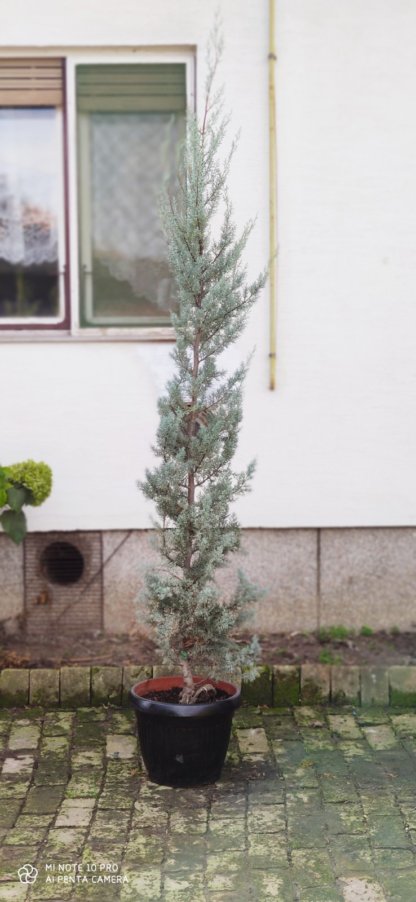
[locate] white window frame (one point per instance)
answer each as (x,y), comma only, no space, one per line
(141,56)
(72,59)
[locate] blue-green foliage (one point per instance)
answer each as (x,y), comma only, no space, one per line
(194,483)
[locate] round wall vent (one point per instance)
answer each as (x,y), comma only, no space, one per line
(62,563)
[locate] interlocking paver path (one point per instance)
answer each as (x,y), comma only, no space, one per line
(314,805)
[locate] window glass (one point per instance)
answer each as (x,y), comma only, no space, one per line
(131,125)
(29,203)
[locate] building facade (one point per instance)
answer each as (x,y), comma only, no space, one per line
(92,108)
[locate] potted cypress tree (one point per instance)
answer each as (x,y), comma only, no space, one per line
(185,721)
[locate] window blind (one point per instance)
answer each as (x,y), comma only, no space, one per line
(132,88)
(31,82)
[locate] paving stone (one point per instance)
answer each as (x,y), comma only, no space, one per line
(308,716)
(43,800)
(380,736)
(315,683)
(21,765)
(328,893)
(112,830)
(272,885)
(183,886)
(351,854)
(44,687)
(57,723)
(9,810)
(374,686)
(266,819)
(361,889)
(185,852)
(75,686)
(266,850)
(378,803)
(372,715)
(75,812)
(266,792)
(311,868)
(14,687)
(345,685)
(335,789)
(13,892)
(145,848)
(118,795)
(409,814)
(11,860)
(145,884)
(190,822)
(400,885)
(344,726)
(307,831)
(85,785)
(253,741)
(149,817)
(351,750)
(387,860)
(25,836)
(258,691)
(229,805)
(286,684)
(50,773)
(106,685)
(63,841)
(387,832)
(88,734)
(344,817)
(97,714)
(404,724)
(122,722)
(121,746)
(24,735)
(56,747)
(225,834)
(87,758)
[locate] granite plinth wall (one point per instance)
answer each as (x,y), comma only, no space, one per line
(309,577)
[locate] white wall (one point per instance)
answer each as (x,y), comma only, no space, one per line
(336,443)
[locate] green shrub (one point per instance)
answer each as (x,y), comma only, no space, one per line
(366,631)
(328,633)
(24,483)
(327,657)
(36,477)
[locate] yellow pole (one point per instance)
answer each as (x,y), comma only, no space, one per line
(272,197)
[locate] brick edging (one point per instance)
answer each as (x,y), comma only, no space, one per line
(278,685)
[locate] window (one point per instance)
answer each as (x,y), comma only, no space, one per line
(80,186)
(31,192)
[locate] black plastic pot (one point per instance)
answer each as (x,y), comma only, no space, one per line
(183,745)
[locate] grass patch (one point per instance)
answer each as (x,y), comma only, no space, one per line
(366,631)
(333,633)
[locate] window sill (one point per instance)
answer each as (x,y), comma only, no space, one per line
(147,333)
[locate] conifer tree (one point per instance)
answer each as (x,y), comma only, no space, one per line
(194,484)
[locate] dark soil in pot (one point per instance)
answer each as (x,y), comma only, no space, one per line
(183,745)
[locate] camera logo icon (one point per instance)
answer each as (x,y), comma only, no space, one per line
(27,873)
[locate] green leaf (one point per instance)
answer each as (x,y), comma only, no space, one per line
(3,496)
(17,496)
(14,524)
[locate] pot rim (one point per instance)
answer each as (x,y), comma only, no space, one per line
(168,709)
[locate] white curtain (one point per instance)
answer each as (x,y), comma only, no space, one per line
(133,160)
